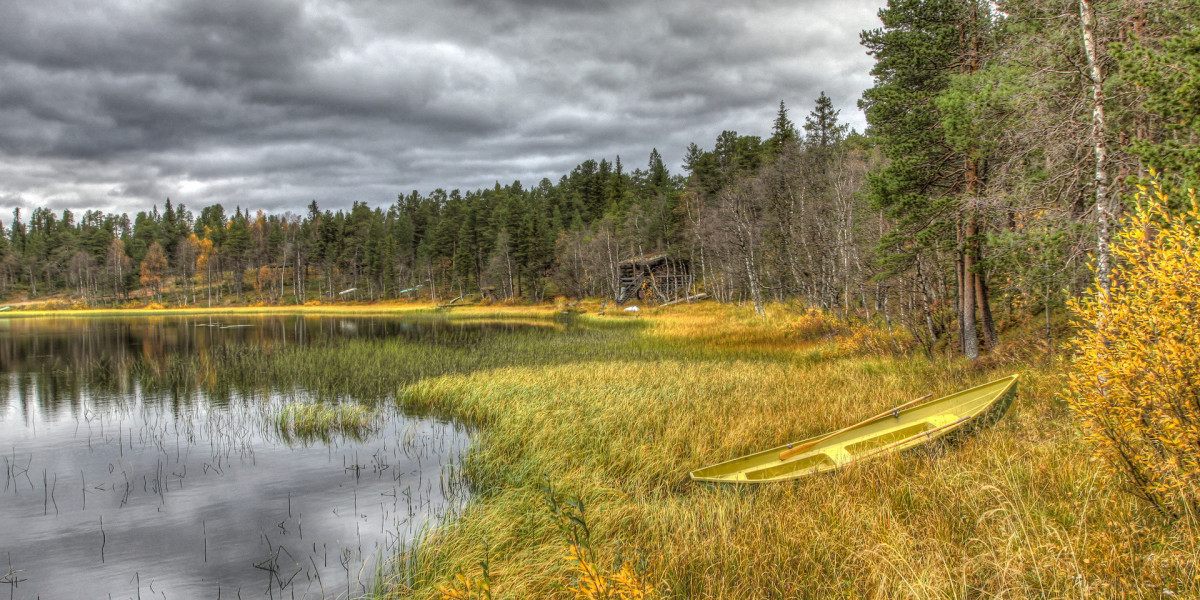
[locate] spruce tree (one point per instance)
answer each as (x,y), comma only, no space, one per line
(237,246)
(821,127)
(618,190)
(783,131)
(658,177)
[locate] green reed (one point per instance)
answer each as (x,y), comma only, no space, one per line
(307,421)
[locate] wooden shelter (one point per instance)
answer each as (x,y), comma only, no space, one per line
(656,276)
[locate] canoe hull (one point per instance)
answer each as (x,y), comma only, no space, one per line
(952,416)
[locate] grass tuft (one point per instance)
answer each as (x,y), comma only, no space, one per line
(305,421)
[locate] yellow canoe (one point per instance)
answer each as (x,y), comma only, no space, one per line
(901,428)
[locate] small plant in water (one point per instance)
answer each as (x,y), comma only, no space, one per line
(308,421)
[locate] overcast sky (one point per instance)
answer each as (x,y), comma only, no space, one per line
(269,104)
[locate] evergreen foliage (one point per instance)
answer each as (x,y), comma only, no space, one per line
(1170,76)
(821,127)
(915,53)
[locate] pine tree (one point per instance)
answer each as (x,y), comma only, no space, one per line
(913,52)
(702,169)
(927,188)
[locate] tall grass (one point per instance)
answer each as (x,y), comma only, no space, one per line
(1016,511)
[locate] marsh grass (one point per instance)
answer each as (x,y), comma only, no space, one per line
(1018,510)
(362,369)
(309,421)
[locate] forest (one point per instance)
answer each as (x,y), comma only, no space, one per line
(1004,142)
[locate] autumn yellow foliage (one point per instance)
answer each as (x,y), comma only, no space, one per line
(1136,379)
(589,581)
(592,584)
(468,588)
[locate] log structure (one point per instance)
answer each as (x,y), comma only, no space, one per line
(655,277)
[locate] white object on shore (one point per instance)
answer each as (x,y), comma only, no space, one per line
(632,309)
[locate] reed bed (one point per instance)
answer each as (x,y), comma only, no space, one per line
(309,421)
(1017,511)
(364,370)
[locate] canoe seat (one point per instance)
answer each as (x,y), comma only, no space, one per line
(813,463)
(888,438)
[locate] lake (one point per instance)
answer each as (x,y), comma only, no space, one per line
(134,469)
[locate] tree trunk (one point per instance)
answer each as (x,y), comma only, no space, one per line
(974,254)
(960,277)
(752,280)
(969,331)
(985,312)
(1104,210)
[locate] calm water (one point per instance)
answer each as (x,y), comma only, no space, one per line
(112,490)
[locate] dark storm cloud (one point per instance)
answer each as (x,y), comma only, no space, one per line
(117,104)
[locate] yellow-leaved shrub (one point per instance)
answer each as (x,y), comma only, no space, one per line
(1135,382)
(590,581)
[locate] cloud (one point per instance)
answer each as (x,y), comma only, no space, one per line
(118,104)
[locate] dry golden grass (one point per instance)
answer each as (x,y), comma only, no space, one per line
(1017,511)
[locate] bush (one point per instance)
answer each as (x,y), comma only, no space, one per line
(867,339)
(815,324)
(1135,382)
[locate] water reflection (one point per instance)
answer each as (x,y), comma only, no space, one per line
(114,489)
(179,355)
(54,344)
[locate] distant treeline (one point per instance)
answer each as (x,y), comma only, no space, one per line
(1005,140)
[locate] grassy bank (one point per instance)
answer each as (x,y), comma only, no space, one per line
(1019,510)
